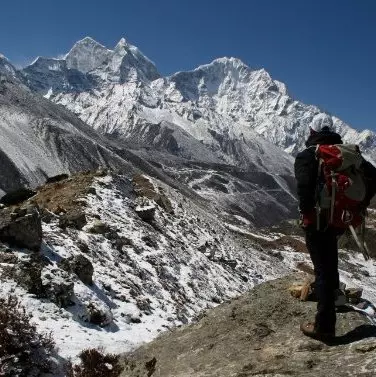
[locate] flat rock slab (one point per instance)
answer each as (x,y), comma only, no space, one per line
(258,334)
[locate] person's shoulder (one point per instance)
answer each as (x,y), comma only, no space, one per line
(309,152)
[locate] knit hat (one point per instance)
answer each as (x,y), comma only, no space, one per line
(321,122)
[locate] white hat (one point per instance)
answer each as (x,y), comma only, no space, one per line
(320,121)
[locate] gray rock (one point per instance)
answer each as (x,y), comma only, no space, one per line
(98,314)
(17,196)
(98,227)
(146,213)
(21,226)
(57,178)
(75,219)
(58,287)
(28,274)
(81,266)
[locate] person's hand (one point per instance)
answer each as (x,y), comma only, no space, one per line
(307,218)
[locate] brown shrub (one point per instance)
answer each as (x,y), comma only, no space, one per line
(94,363)
(23,351)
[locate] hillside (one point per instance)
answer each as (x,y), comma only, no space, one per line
(258,334)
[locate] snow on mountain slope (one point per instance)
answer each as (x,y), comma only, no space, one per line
(253,99)
(51,75)
(162,274)
(134,115)
(223,95)
(6,68)
(39,139)
(88,65)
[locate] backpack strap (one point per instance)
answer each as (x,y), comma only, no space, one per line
(363,247)
(318,209)
(333,196)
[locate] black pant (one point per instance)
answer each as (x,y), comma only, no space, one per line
(323,248)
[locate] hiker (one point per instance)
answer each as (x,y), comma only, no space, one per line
(321,233)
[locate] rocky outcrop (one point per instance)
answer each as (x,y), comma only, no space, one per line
(28,274)
(144,187)
(75,219)
(58,286)
(98,227)
(38,276)
(21,226)
(79,265)
(17,196)
(258,335)
(97,313)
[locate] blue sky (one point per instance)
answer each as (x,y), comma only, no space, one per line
(325,51)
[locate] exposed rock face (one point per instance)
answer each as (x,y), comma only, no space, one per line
(81,266)
(146,210)
(16,197)
(58,286)
(28,274)
(98,227)
(258,335)
(97,314)
(21,226)
(145,188)
(75,219)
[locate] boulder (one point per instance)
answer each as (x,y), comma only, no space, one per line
(57,178)
(81,266)
(58,286)
(21,226)
(146,212)
(75,219)
(28,274)
(17,196)
(97,314)
(98,227)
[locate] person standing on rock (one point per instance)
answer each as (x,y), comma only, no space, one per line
(320,233)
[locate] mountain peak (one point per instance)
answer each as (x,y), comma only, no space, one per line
(86,55)
(87,41)
(224,64)
(6,68)
(229,60)
(122,43)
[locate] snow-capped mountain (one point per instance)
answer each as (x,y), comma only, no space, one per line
(40,139)
(6,68)
(88,65)
(225,98)
(223,168)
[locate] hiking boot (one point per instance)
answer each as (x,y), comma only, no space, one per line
(309,329)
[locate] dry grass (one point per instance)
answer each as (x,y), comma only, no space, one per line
(64,196)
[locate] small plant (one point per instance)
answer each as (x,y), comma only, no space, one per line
(94,363)
(23,351)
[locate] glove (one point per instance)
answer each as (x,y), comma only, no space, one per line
(307,219)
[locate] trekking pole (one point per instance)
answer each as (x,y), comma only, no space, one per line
(363,248)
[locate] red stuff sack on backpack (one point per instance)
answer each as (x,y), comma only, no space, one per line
(341,187)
